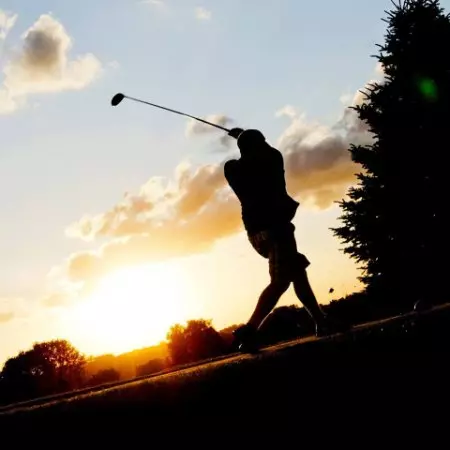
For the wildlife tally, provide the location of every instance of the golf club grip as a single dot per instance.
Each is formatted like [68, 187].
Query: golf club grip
[178, 112]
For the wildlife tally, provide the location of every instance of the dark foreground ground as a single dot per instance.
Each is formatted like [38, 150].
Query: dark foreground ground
[392, 373]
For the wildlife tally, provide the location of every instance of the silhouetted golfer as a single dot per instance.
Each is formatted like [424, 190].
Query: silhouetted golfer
[257, 179]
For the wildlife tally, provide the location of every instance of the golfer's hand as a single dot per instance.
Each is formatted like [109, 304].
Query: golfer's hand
[235, 132]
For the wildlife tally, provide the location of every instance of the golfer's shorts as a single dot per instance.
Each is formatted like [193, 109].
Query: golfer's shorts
[280, 248]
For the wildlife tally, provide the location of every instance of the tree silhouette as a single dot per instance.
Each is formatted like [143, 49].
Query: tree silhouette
[104, 376]
[177, 344]
[197, 340]
[151, 367]
[394, 220]
[48, 368]
[228, 337]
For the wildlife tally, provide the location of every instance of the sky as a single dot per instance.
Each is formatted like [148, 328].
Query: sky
[118, 221]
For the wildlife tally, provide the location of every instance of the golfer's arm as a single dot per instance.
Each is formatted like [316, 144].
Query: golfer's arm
[230, 172]
[279, 168]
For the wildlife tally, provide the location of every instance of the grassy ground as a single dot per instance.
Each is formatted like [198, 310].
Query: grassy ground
[394, 365]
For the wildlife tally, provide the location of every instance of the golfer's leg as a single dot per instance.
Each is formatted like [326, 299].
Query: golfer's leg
[279, 276]
[298, 263]
[267, 301]
[306, 295]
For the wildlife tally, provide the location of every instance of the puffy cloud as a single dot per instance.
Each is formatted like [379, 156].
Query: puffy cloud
[124, 219]
[6, 317]
[287, 111]
[61, 291]
[360, 97]
[196, 208]
[173, 239]
[8, 104]
[317, 162]
[189, 212]
[198, 188]
[55, 300]
[10, 309]
[153, 2]
[42, 65]
[203, 13]
[379, 69]
[160, 5]
[114, 64]
[194, 127]
[356, 131]
[7, 22]
[346, 99]
[160, 206]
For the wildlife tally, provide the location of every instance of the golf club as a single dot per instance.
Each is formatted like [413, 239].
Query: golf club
[118, 98]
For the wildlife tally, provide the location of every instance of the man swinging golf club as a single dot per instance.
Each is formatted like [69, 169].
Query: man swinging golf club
[257, 179]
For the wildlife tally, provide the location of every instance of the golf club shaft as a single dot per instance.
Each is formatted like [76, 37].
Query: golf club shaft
[178, 112]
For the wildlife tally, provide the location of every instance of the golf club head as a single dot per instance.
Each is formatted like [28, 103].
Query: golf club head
[117, 99]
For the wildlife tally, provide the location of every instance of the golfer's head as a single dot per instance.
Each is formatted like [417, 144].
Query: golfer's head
[250, 141]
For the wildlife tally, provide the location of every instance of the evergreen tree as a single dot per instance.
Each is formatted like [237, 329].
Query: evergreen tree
[394, 220]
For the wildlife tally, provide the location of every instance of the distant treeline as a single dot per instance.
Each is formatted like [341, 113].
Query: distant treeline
[56, 366]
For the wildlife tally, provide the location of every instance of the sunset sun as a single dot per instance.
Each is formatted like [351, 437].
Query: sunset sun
[131, 308]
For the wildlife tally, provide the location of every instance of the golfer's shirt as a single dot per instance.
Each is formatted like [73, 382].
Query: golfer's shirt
[260, 186]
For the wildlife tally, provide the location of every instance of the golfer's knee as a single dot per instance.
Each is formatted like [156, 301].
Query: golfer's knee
[301, 277]
[280, 285]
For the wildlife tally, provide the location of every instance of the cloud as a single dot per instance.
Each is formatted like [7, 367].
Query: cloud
[195, 209]
[192, 210]
[55, 300]
[158, 4]
[346, 99]
[317, 162]
[114, 64]
[158, 203]
[202, 13]
[43, 66]
[125, 218]
[170, 240]
[60, 292]
[287, 111]
[226, 143]
[10, 309]
[194, 127]
[6, 317]
[7, 22]
[379, 69]
[358, 98]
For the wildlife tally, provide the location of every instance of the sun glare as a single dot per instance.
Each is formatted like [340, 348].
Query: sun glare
[131, 308]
